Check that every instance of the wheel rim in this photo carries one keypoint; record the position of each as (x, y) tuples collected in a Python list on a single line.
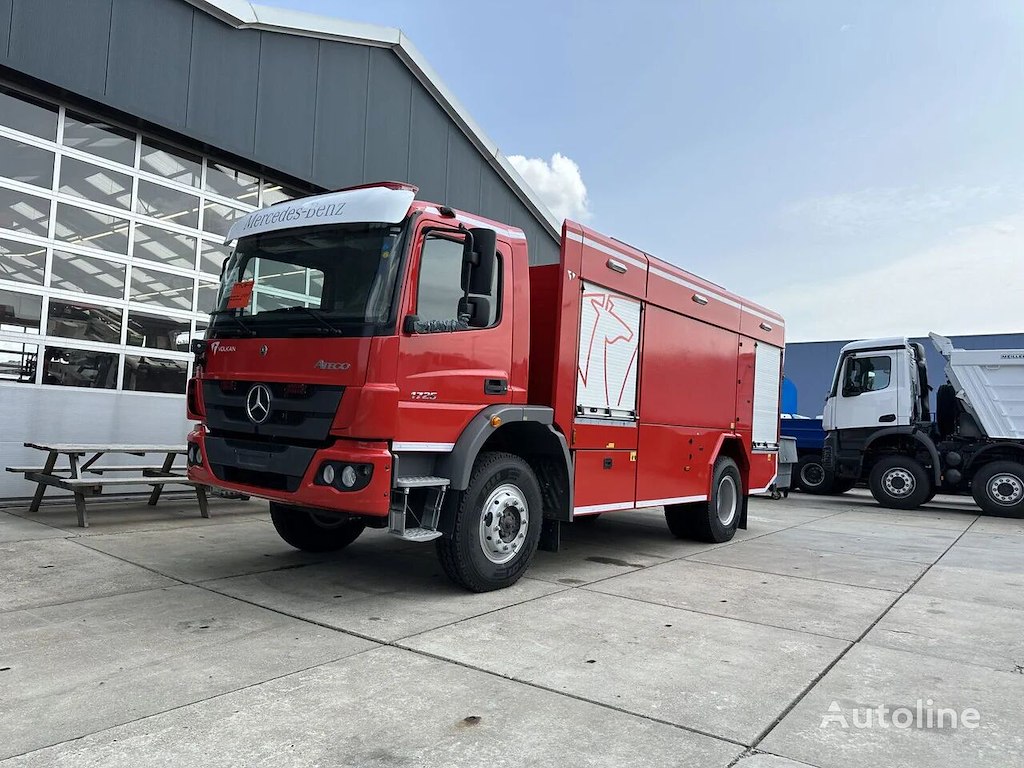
[(504, 520), (1006, 489), (899, 482), (812, 475), (726, 500)]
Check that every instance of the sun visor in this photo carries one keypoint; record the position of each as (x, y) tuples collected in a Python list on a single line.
[(384, 205)]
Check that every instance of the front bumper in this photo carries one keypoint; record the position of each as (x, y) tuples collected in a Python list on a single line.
[(288, 473)]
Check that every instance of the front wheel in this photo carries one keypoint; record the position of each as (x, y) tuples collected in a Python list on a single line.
[(497, 525), (811, 475), (899, 482), (999, 489), (313, 531), (715, 521)]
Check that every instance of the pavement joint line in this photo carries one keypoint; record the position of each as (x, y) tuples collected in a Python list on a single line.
[(795, 576), (38, 607), (715, 548), (397, 645), (748, 749), (189, 704), (717, 615), (829, 667), (569, 695)]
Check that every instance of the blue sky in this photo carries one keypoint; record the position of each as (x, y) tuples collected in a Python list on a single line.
[(858, 166)]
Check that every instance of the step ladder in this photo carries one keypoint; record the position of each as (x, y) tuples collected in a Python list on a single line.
[(400, 515)]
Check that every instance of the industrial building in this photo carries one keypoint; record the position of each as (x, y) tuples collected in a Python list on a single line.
[(133, 132)]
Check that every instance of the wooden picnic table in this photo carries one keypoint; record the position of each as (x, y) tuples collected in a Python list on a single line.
[(87, 478)]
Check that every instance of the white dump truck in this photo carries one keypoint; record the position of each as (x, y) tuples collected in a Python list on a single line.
[(880, 429)]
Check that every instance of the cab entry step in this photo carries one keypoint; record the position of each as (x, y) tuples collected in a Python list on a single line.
[(425, 527)]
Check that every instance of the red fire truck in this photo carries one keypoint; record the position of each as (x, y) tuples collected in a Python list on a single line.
[(379, 361)]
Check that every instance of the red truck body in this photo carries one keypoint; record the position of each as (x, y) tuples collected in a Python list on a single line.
[(619, 379)]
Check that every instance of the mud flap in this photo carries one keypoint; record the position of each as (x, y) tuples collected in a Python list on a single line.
[(550, 535), (743, 514)]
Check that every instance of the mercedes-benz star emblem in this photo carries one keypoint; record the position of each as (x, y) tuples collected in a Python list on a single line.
[(263, 351), (257, 403)]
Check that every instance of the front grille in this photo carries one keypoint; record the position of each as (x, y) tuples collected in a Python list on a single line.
[(300, 412), (273, 466)]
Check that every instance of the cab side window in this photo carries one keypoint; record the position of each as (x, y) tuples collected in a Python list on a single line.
[(440, 299), (867, 374)]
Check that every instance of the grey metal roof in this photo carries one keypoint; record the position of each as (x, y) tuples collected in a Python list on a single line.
[(245, 15)]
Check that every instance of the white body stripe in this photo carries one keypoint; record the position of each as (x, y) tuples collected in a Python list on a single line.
[(610, 251), (767, 488), (674, 500), (423, 447), (593, 509), (674, 278)]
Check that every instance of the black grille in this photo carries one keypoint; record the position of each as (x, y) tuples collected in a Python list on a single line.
[(264, 465), (301, 412)]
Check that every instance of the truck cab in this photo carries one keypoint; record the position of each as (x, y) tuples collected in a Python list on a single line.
[(880, 428)]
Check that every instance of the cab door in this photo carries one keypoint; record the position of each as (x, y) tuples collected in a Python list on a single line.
[(448, 369), (867, 393)]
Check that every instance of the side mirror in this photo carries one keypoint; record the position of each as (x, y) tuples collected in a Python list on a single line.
[(224, 266), (409, 323), (476, 310), (479, 258)]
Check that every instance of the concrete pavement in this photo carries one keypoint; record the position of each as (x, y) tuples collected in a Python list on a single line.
[(157, 638)]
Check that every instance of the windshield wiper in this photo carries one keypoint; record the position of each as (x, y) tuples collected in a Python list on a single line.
[(236, 318), (316, 314)]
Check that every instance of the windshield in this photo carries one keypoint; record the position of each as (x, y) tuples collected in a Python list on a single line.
[(316, 281)]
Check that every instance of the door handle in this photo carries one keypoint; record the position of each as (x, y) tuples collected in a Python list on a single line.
[(495, 386), (887, 417)]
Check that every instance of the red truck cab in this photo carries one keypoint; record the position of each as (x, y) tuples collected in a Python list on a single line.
[(386, 362)]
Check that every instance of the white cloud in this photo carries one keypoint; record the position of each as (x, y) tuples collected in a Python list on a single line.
[(973, 282), (558, 183)]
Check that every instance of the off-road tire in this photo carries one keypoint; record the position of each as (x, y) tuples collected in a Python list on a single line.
[(462, 553), (899, 482), (701, 521), (311, 530), (1000, 499)]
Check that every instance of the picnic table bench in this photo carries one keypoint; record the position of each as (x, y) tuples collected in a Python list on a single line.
[(86, 478)]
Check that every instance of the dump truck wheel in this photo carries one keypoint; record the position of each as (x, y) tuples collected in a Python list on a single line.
[(497, 525), (716, 520), (811, 475), (999, 489), (313, 531), (899, 482)]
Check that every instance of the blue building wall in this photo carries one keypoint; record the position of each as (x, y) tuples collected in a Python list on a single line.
[(809, 367)]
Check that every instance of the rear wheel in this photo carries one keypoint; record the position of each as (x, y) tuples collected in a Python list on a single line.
[(715, 521), (811, 475), (314, 531), (899, 482), (497, 525), (999, 489)]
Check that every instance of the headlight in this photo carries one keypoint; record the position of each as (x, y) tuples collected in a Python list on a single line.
[(348, 476), (329, 474)]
